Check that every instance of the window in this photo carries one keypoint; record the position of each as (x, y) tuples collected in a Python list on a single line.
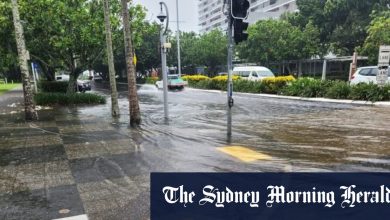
[(173, 77), (254, 74), (265, 73), (244, 73), (365, 72), (374, 72)]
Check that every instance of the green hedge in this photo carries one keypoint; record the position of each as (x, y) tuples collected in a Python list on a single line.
[(307, 87), (303, 87), (338, 90), (370, 92), (53, 86), (151, 80), (66, 99)]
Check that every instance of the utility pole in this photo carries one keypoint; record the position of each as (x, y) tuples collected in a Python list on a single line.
[(178, 39), (162, 16), (230, 100)]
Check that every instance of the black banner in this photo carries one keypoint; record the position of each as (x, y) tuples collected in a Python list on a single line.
[(270, 196)]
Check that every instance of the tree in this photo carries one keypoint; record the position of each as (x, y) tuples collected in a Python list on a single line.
[(9, 65), (207, 50), (110, 57), (135, 115), (378, 34), (30, 112), (148, 51), (342, 24), (278, 40), (189, 51), (212, 50)]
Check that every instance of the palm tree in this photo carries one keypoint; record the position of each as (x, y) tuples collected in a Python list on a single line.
[(29, 106), (135, 115), (110, 57)]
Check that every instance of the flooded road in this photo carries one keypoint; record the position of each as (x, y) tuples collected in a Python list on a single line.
[(297, 135), (81, 161)]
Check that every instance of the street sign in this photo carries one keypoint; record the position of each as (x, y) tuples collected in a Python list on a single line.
[(384, 56), (382, 77), (383, 65)]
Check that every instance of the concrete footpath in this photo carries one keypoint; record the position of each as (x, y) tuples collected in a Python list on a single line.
[(11, 101)]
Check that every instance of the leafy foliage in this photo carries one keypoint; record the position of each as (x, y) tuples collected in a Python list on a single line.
[(209, 50), (338, 90), (151, 80), (342, 24), (277, 40), (378, 34), (370, 92), (53, 86), (68, 99)]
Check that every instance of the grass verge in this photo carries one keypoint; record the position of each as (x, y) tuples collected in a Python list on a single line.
[(6, 87)]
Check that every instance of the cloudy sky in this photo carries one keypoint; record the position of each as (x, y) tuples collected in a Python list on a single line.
[(188, 12)]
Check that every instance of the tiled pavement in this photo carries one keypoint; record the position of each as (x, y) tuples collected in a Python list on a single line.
[(62, 166)]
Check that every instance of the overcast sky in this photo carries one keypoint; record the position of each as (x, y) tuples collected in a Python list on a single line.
[(188, 12)]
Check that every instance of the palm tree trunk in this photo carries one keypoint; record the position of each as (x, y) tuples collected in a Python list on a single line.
[(135, 115), (29, 106), (110, 57), (72, 85)]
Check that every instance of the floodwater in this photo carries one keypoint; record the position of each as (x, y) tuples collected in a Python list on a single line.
[(298, 135), (80, 161)]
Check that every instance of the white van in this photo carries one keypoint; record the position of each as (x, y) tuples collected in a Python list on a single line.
[(253, 73)]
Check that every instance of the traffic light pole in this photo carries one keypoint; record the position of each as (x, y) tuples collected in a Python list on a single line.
[(164, 72), (230, 101)]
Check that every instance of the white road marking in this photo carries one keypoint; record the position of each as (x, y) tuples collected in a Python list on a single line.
[(78, 217)]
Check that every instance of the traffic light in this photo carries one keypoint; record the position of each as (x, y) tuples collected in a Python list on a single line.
[(240, 28), (239, 13), (240, 9)]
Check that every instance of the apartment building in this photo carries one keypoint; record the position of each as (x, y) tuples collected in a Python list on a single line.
[(211, 16)]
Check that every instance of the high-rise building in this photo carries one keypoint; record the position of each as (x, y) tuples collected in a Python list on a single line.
[(211, 15)]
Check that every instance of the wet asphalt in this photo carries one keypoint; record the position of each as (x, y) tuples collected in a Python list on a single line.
[(79, 160)]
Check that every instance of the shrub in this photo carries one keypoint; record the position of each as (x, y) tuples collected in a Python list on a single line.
[(66, 99), (151, 80), (370, 92), (53, 86), (247, 86), (274, 85), (225, 78), (338, 90), (194, 78), (307, 87)]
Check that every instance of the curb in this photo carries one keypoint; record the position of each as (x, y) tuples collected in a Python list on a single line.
[(326, 100)]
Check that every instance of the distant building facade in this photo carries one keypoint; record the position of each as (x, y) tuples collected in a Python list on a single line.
[(211, 16)]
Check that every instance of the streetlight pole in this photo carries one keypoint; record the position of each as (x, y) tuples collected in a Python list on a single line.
[(178, 39), (164, 73)]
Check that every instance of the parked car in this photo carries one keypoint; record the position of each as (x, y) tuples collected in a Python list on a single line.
[(82, 85), (174, 82), (366, 75), (253, 73)]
